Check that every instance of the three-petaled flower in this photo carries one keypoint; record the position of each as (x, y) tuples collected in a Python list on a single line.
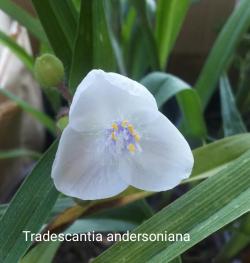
[(116, 137)]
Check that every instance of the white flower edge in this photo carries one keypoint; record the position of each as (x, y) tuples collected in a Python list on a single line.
[(83, 168)]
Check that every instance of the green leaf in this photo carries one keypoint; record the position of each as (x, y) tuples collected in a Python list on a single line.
[(3, 208), (24, 18), (44, 252), (19, 153), (205, 209), (112, 14), (27, 60), (28, 209), (169, 19), (164, 86), (67, 17), (232, 121), (137, 65), (176, 260), (220, 154), (93, 47), (51, 17), (77, 4), (38, 115), (147, 32), (222, 51)]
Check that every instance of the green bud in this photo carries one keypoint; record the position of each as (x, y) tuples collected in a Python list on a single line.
[(49, 70)]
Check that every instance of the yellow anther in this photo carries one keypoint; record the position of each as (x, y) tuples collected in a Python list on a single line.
[(131, 147), (115, 126), (137, 137), (131, 129), (114, 138), (125, 123)]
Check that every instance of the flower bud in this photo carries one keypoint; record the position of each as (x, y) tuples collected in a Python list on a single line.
[(49, 70)]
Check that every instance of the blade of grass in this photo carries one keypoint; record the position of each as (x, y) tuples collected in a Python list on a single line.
[(24, 18), (28, 209), (222, 51), (43, 252), (169, 18), (67, 17), (232, 121), (20, 52), (137, 62), (38, 115), (145, 28), (93, 47), (220, 154), (205, 209), (112, 14)]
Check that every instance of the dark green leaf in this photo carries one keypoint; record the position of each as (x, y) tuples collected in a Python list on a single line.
[(232, 121), (93, 47), (43, 252), (147, 32), (112, 13), (67, 17)]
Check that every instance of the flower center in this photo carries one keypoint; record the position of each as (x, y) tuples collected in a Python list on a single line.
[(122, 137)]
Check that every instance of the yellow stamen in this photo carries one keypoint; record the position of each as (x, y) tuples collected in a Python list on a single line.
[(137, 137), (115, 126), (131, 147), (125, 123), (131, 129), (114, 138)]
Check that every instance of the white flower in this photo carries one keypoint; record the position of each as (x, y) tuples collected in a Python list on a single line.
[(116, 137)]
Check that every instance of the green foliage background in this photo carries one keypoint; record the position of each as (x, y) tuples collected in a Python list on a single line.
[(116, 36)]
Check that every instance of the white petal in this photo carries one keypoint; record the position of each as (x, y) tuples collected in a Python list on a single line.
[(165, 159), (81, 169), (104, 97)]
